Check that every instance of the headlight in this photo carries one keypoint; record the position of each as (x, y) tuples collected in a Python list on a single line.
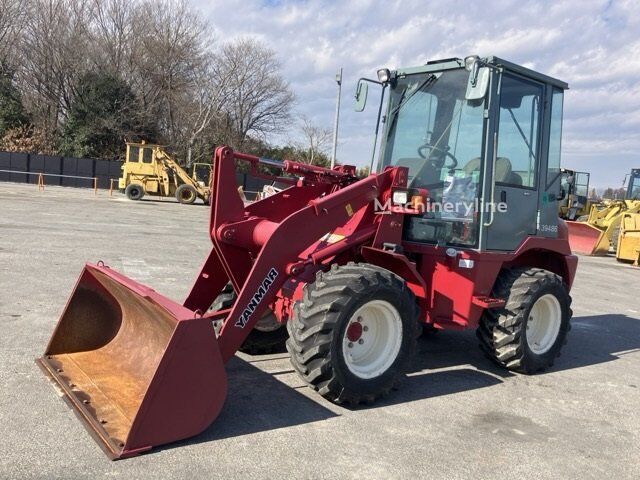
[(469, 61), (400, 197), (384, 75)]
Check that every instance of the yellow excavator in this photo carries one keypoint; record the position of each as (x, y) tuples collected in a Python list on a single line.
[(604, 228), (150, 170)]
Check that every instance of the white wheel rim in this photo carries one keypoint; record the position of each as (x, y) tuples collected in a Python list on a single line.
[(379, 342), (543, 324)]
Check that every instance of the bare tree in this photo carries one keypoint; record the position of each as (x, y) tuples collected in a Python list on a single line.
[(12, 17), (316, 140), (113, 30), (189, 94), (54, 53), (171, 51), (259, 99), (202, 105)]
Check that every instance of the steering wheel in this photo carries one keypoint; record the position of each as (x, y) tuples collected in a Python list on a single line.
[(454, 160)]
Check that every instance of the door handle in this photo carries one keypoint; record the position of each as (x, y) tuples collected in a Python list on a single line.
[(503, 196)]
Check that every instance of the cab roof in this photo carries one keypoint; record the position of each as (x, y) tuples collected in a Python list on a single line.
[(452, 63)]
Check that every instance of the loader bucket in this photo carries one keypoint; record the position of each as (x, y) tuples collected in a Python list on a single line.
[(587, 239), (137, 368)]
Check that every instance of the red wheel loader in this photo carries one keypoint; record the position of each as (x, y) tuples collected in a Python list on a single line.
[(456, 228)]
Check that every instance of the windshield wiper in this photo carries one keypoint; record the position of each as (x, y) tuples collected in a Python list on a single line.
[(430, 80), (403, 101)]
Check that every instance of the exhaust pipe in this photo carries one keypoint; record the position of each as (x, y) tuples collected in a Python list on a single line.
[(138, 369)]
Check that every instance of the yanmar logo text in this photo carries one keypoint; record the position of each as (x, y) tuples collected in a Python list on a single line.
[(257, 298)]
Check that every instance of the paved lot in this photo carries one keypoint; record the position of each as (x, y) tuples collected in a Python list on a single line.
[(456, 416)]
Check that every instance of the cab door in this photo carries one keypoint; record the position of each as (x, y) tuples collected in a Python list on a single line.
[(515, 164)]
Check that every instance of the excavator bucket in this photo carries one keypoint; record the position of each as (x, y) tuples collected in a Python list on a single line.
[(587, 239), (137, 368)]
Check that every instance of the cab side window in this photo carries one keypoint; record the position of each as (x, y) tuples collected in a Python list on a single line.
[(134, 154), (555, 136), (518, 132), (147, 155)]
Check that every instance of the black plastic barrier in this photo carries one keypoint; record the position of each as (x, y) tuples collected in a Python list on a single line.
[(64, 170)]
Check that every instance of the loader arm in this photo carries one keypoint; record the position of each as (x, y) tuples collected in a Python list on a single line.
[(141, 370), (248, 241), (180, 172)]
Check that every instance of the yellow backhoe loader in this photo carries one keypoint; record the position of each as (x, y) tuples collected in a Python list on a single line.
[(150, 170)]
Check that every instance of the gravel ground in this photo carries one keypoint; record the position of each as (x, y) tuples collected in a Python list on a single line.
[(455, 416)]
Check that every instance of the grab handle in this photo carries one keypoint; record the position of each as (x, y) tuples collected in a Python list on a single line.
[(493, 181)]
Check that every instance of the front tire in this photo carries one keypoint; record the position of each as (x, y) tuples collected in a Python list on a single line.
[(186, 194), (134, 191), (353, 333), (527, 334)]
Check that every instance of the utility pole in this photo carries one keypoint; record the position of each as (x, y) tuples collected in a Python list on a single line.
[(335, 123)]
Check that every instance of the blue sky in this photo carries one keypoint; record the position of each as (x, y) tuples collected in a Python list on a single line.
[(592, 45)]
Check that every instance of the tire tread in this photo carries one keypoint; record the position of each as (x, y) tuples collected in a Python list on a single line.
[(500, 331), (312, 329)]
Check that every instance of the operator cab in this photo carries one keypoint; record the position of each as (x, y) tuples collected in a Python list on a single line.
[(482, 138), (139, 153), (574, 194), (633, 189), (437, 135), (201, 173)]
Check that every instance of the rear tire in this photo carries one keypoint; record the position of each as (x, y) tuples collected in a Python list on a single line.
[(429, 331), (354, 332), (526, 335), (267, 336), (186, 194), (134, 191)]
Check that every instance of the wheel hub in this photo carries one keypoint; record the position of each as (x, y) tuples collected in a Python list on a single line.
[(543, 324), (372, 339), (354, 331)]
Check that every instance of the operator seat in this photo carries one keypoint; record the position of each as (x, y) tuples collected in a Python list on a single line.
[(516, 179), (503, 173), (422, 173)]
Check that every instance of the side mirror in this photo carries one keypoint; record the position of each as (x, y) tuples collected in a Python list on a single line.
[(362, 90), (478, 82)]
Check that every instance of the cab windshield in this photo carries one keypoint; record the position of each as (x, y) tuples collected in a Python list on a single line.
[(438, 135)]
